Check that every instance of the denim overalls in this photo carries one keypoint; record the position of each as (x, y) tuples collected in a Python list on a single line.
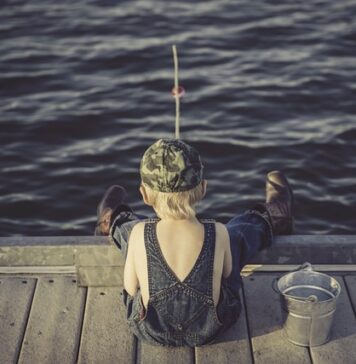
[(183, 312)]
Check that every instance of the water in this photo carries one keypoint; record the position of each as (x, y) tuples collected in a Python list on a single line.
[(85, 88)]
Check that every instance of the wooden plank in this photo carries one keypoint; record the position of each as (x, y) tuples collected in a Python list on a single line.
[(149, 354), (15, 302), (100, 276), (316, 240), (342, 345), (105, 335), (233, 346), (67, 269), (269, 344), (36, 255), (316, 249), (53, 330), (61, 255), (249, 268), (92, 250), (70, 241), (94, 256), (286, 240), (60, 250), (351, 288)]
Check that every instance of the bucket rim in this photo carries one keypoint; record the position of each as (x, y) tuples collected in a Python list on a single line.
[(306, 267)]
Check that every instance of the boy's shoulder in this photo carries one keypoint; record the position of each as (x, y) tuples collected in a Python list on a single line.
[(139, 227), (221, 232), (218, 225)]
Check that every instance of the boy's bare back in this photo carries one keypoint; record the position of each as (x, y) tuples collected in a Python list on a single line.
[(181, 242)]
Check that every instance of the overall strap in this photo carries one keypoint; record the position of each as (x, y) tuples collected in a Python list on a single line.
[(200, 277), (161, 276)]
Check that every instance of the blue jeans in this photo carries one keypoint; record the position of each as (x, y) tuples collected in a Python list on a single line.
[(249, 233)]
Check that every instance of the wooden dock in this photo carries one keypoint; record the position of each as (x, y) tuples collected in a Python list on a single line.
[(61, 312)]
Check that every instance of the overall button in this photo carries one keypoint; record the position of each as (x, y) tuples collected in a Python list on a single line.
[(179, 327)]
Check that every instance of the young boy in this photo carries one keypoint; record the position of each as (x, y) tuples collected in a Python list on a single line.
[(182, 274)]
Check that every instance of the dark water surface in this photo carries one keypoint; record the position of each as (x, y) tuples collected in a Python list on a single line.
[(85, 88)]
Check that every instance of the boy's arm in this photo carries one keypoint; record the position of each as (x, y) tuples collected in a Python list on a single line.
[(130, 274), (121, 229), (223, 235), (227, 269)]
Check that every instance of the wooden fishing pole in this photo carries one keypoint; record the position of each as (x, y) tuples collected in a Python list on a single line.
[(177, 91)]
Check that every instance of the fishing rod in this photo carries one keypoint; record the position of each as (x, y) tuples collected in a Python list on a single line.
[(177, 92)]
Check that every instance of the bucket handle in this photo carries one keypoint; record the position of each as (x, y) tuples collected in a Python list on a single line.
[(305, 266), (311, 298), (274, 285)]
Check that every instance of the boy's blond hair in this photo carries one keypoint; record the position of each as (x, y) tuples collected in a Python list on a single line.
[(175, 205)]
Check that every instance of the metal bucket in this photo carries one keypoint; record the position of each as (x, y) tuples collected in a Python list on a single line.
[(308, 302)]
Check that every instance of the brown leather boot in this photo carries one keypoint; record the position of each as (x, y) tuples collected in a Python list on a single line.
[(110, 202), (279, 203)]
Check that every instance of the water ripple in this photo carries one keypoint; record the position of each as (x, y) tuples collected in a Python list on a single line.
[(85, 88)]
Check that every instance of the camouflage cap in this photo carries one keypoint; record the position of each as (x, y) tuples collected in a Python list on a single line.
[(171, 165)]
